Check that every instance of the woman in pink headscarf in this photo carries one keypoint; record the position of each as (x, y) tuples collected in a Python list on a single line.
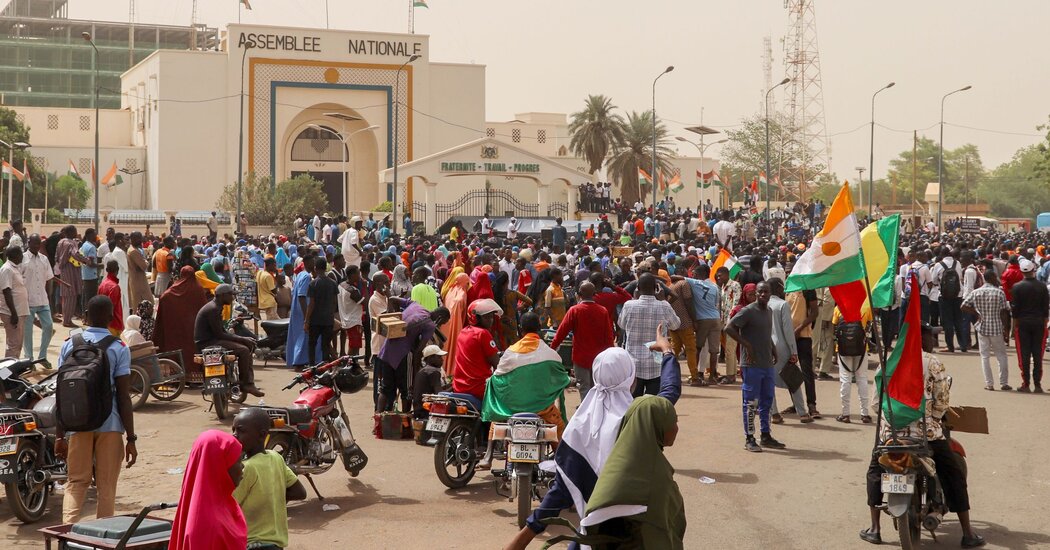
[(456, 301), (208, 517)]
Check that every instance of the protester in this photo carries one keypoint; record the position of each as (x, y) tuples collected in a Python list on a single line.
[(176, 310), (14, 308), (38, 277), (208, 515), (987, 305)]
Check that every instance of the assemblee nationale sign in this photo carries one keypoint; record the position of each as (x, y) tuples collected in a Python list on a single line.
[(490, 167), (291, 42)]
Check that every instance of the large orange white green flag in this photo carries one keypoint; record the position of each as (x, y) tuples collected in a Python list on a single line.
[(834, 257)]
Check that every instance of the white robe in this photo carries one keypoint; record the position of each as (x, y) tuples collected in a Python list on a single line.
[(121, 258)]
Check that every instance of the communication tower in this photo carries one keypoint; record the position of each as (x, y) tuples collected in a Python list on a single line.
[(806, 150)]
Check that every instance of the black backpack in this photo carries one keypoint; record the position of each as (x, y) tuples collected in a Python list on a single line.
[(84, 392), (850, 338), (951, 287)]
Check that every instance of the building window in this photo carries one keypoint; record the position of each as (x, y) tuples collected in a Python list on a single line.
[(677, 171), (20, 118), (515, 135), (313, 145), (40, 163), (131, 164), (541, 136), (85, 123), (52, 122), (84, 168), (490, 132)]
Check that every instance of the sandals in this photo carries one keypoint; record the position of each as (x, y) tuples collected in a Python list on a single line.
[(843, 418), (776, 419), (866, 419), (806, 419)]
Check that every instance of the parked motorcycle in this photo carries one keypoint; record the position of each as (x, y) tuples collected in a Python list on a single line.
[(315, 429), (222, 382), (914, 496), (521, 444), (29, 467), (272, 347)]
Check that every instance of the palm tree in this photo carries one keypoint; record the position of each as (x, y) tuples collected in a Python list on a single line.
[(636, 152), (595, 131)]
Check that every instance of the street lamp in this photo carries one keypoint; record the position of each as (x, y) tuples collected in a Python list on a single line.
[(703, 131), (94, 172), (397, 133), (940, 158), (344, 138), (860, 184), (240, 138), (769, 91), (653, 167), (10, 179), (871, 158)]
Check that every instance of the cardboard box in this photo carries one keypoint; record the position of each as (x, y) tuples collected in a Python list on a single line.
[(622, 251), (972, 420), (390, 325)]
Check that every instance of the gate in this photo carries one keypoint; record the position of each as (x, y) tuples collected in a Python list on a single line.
[(558, 209), (494, 202)]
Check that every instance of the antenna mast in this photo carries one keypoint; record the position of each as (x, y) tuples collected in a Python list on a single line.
[(806, 147)]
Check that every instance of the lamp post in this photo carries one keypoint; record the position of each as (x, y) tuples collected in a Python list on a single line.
[(702, 149), (860, 183), (344, 138), (10, 178), (871, 157), (653, 166), (397, 130), (240, 137), (766, 105), (940, 158), (94, 171)]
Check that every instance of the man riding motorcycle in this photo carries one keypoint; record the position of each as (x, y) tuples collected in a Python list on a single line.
[(476, 350), (208, 331), (952, 477)]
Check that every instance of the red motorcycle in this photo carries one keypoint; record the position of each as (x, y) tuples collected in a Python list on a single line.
[(315, 430)]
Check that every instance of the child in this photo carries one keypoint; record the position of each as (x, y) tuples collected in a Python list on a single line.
[(131, 335), (428, 379)]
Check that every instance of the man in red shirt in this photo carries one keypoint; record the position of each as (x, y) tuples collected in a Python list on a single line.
[(476, 351), (1011, 276), (609, 300), (592, 333), (110, 286)]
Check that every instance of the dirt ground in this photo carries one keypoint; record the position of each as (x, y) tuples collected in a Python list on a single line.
[(808, 496)]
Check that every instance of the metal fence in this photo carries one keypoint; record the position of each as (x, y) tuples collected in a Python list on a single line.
[(558, 209), (480, 202)]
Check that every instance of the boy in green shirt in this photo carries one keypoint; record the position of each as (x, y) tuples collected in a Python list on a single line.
[(267, 486)]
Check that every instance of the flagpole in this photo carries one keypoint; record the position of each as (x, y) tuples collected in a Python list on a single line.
[(47, 183), (411, 16)]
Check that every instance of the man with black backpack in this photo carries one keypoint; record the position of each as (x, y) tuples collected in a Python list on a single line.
[(94, 410), (947, 292)]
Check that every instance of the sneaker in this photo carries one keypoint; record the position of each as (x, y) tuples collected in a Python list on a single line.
[(789, 410), (824, 376), (1023, 388), (1005, 387), (815, 413), (752, 446), (975, 541), (768, 441), (867, 536), (1038, 389), (989, 387)]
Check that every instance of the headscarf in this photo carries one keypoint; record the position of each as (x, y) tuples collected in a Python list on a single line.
[(591, 432), (486, 303), (400, 285), (208, 516), (439, 260), (145, 312), (450, 281), (209, 271), (132, 335), (481, 289), (743, 302), (638, 481)]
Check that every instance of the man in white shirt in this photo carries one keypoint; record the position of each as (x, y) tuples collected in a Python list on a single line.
[(949, 303), (917, 263), (486, 225), (213, 228), (350, 242), (119, 255), (512, 228), (14, 305), (724, 231), (326, 233), (37, 275)]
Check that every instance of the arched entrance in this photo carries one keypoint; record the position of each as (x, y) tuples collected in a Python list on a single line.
[(323, 146)]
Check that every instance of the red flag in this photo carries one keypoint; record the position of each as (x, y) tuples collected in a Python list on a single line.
[(850, 298)]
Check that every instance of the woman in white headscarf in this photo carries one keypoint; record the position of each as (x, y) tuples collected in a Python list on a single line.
[(591, 433)]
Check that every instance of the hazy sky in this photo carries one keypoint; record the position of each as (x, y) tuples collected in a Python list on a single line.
[(546, 56)]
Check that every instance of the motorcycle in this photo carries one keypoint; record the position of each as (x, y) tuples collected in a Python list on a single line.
[(272, 347), (315, 429), (221, 379), (914, 496), (29, 467), (522, 444)]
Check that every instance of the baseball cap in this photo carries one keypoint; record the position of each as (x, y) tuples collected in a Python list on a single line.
[(1027, 266), (224, 289), (433, 350)]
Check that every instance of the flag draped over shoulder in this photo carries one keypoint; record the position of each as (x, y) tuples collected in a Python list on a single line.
[(529, 378), (727, 260), (834, 257), (904, 396)]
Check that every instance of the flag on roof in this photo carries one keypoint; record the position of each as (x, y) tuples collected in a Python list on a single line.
[(834, 256), (727, 260), (73, 170), (705, 181), (903, 400), (12, 171), (420, 4), (246, 4)]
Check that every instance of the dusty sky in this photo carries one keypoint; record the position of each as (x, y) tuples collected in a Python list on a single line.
[(546, 55)]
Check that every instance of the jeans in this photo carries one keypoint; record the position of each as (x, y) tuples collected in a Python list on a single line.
[(644, 386), (757, 391), (43, 313), (849, 367), (988, 346)]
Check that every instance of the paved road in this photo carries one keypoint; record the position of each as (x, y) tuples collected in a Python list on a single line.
[(808, 496)]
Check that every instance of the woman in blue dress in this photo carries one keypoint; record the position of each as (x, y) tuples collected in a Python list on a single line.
[(295, 351)]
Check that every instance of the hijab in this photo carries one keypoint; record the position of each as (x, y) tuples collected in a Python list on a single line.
[(481, 289), (401, 285), (451, 280), (208, 517), (638, 481), (744, 301), (209, 271)]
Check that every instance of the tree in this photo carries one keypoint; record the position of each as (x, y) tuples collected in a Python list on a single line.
[(636, 151), (595, 131), (1019, 188), (952, 177), (13, 131), (265, 204), (745, 155)]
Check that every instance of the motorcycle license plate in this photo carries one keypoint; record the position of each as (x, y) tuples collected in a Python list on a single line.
[(8, 446), (524, 452), (214, 370), (900, 484), (438, 424)]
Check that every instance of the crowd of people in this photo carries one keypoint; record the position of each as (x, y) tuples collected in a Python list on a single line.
[(632, 298)]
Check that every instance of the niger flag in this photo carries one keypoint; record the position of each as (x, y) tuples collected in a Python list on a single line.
[(834, 257), (900, 384)]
